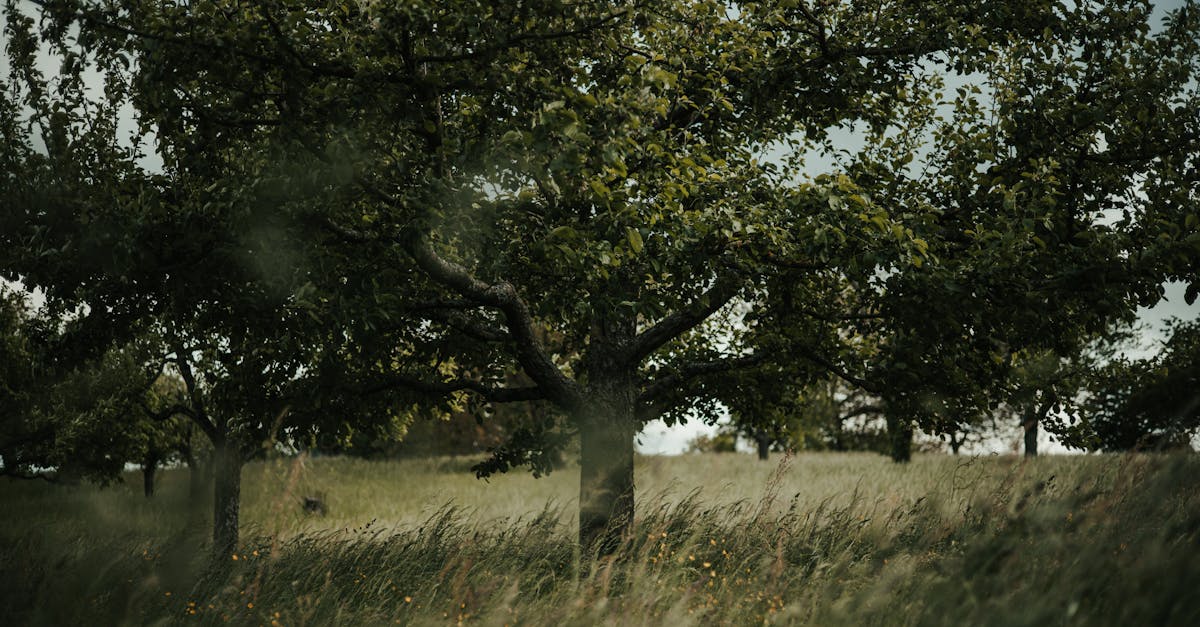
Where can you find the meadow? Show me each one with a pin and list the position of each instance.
(820, 539)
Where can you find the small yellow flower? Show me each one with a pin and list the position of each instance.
(166, 594)
(250, 605)
(235, 557)
(408, 599)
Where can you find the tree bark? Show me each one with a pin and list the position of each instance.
(227, 489)
(764, 446)
(606, 431)
(1031, 436)
(149, 469)
(900, 436)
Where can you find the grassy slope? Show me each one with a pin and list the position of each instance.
(819, 539)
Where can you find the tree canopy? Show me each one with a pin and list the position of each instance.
(604, 206)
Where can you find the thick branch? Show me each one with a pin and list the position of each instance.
(838, 371)
(517, 40)
(862, 411)
(722, 291)
(503, 296)
(198, 415)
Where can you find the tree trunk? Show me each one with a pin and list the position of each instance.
(149, 468)
(606, 432)
(227, 489)
(956, 443)
(900, 436)
(1031, 436)
(764, 446)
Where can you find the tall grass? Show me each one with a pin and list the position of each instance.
(818, 539)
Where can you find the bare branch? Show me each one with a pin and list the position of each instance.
(166, 413)
(468, 326)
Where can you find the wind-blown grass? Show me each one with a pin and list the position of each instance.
(819, 539)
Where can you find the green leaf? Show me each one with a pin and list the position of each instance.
(635, 239)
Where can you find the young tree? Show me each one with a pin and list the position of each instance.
(1142, 404)
(79, 419)
(825, 415)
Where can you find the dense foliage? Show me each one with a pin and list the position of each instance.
(605, 207)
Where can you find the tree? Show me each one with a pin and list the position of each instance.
(20, 438)
(567, 165)
(825, 415)
(79, 419)
(1142, 404)
(202, 273)
(1060, 193)
(474, 173)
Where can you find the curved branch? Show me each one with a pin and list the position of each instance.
(198, 415)
(468, 326)
(841, 373)
(533, 358)
(171, 411)
(517, 40)
(503, 296)
(722, 291)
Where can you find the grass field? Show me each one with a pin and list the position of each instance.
(822, 539)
